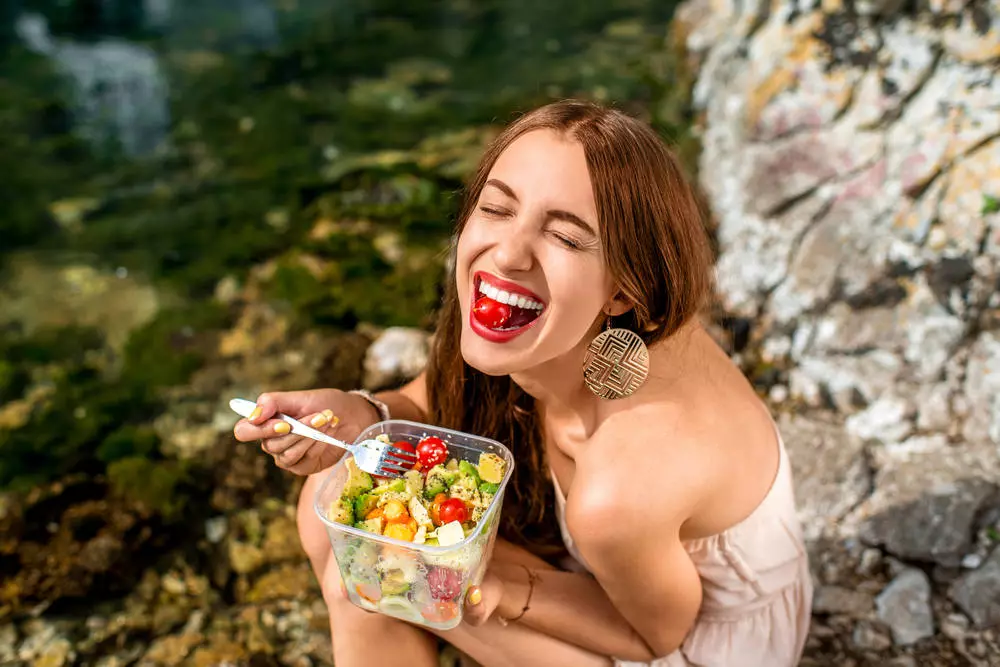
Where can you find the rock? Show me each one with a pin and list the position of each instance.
(829, 469)
(215, 529)
(245, 558)
(100, 553)
(8, 643)
(927, 497)
(173, 649)
(869, 636)
(875, 255)
(221, 651)
(870, 561)
(398, 355)
(281, 541)
(904, 605)
(288, 581)
(38, 294)
(982, 389)
(839, 600)
(56, 654)
(977, 593)
(886, 419)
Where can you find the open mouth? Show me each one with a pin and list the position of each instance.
(503, 307)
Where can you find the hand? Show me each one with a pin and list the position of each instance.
(332, 411)
(482, 601)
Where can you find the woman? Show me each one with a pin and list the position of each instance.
(672, 488)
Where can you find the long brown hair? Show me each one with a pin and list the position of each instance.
(657, 250)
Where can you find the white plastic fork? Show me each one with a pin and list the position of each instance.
(373, 456)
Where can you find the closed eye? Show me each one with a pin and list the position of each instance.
(492, 212)
(568, 242)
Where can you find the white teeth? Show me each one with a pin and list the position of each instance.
(508, 298)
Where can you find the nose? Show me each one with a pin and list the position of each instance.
(513, 252)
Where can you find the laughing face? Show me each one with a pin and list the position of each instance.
(532, 280)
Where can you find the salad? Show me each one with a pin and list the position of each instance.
(439, 502)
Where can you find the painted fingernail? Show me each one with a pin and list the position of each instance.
(282, 427)
(475, 596)
(255, 414)
(319, 420)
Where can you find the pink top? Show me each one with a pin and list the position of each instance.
(756, 588)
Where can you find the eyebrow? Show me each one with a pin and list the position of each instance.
(558, 214)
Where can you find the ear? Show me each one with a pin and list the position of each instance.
(618, 305)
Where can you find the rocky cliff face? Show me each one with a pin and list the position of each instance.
(851, 154)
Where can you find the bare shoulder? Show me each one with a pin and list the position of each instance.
(645, 462)
(685, 469)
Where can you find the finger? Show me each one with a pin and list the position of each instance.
(293, 455)
(273, 428)
(267, 406)
(482, 600)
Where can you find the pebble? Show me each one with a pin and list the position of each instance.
(904, 605)
(216, 528)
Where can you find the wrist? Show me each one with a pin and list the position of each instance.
(378, 409)
(519, 587)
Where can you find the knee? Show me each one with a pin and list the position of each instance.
(312, 533)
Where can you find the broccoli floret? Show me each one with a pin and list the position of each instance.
(358, 481)
(342, 512)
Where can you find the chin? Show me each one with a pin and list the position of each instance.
(490, 358)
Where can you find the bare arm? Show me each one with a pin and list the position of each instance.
(645, 592)
(409, 401)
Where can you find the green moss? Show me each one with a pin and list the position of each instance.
(129, 440)
(166, 351)
(153, 485)
(990, 204)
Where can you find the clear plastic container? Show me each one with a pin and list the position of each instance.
(415, 582)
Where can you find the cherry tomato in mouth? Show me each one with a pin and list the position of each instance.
(453, 509)
(491, 314)
(431, 452)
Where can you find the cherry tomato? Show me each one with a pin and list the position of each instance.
(435, 508)
(432, 451)
(440, 611)
(406, 447)
(444, 583)
(453, 509)
(491, 314)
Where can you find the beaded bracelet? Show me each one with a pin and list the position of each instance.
(532, 578)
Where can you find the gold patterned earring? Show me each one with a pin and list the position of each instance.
(616, 363)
